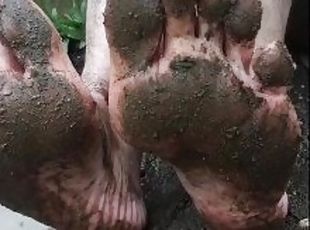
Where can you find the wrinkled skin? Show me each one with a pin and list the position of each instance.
(60, 162)
(198, 84)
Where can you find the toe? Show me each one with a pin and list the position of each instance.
(39, 104)
(214, 11)
(274, 65)
(137, 42)
(26, 30)
(180, 16)
(271, 62)
(243, 20)
(211, 14)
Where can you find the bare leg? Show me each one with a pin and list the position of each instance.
(97, 66)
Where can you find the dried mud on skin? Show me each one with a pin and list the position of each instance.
(170, 208)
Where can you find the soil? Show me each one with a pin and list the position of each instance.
(168, 205)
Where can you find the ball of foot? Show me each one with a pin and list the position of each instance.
(201, 88)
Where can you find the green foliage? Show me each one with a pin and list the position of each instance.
(71, 23)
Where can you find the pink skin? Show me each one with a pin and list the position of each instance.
(144, 103)
(88, 177)
(93, 183)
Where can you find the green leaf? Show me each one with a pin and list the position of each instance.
(75, 13)
(67, 20)
(83, 10)
(54, 14)
(71, 24)
(71, 32)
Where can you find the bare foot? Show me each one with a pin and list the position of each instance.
(60, 161)
(204, 85)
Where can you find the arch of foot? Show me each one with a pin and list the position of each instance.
(213, 102)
